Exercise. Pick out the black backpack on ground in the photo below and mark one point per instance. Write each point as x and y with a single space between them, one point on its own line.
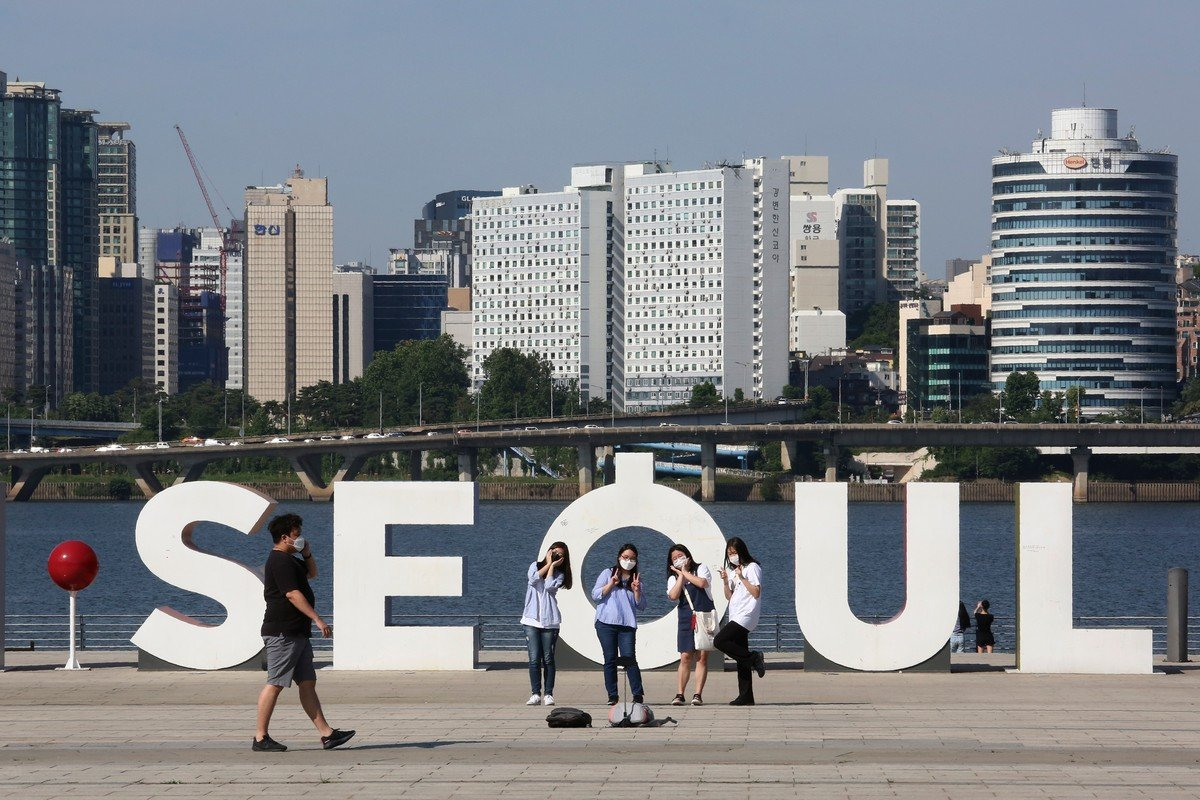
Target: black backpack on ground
567 717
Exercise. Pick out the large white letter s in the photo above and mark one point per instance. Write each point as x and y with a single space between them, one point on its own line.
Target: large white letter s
164 541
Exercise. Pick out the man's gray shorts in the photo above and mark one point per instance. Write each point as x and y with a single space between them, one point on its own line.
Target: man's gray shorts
289 658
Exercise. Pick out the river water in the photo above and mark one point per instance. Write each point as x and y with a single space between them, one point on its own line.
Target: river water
1122 554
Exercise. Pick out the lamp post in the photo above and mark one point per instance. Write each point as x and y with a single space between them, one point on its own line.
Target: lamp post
421 403
477 394
289 414
1142 404
960 398
242 431
381 411
160 419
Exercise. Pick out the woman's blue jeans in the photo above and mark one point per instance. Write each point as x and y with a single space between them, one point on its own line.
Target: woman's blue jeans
541 642
622 638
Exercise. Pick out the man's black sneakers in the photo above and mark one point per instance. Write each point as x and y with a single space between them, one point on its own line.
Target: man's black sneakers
268 745
336 739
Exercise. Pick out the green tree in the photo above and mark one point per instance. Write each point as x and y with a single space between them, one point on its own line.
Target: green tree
427 376
1021 392
518 384
1074 402
704 395
876 325
1050 407
326 405
982 408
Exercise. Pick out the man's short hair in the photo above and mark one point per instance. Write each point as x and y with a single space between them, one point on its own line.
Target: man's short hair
283 525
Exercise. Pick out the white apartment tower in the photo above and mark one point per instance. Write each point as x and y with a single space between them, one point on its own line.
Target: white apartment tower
541 271
704 290
289 283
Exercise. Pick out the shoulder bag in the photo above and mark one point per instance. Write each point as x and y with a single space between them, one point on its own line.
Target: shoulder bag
704 623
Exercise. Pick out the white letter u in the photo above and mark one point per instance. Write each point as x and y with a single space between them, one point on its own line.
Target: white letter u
924 623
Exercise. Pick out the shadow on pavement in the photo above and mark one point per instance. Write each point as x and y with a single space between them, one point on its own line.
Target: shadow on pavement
403 745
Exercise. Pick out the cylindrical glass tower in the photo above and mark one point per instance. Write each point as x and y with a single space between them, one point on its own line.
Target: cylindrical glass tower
1083 252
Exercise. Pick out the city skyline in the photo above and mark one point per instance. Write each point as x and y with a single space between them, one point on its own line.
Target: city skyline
497 99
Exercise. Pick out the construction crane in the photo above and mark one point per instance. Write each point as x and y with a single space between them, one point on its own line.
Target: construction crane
227 234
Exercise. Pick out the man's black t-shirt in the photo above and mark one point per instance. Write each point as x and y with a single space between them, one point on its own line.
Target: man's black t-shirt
282 574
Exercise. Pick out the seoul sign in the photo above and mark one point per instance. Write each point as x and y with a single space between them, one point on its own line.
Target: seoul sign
364 577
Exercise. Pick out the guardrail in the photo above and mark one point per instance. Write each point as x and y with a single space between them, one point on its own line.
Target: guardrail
778 633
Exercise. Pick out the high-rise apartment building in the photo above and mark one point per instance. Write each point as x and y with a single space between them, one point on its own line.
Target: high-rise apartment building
1083 253
541 276
48 184
44 354
235 314
289 283
879 241
353 323
704 285
817 324
116 192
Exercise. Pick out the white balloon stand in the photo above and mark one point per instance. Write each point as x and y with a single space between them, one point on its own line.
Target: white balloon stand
72 659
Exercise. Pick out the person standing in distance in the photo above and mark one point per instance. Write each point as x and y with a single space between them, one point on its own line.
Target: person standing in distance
742 577
287 626
985 640
541 618
618 595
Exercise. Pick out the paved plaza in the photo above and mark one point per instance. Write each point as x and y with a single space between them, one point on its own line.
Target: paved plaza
980 732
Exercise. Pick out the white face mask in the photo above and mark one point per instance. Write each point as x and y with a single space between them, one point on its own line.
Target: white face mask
733 559
299 543
680 562
628 564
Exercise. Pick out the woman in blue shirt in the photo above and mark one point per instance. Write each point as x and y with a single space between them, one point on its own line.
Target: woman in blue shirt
541 618
618 595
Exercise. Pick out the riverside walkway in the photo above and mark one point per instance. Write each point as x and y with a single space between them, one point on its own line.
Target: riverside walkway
114 731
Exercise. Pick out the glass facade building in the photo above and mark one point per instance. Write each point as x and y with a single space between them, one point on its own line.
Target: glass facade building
947 361
1083 251
407 307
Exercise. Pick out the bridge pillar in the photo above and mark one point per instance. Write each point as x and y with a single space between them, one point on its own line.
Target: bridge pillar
708 471
144 477
415 461
24 481
1079 460
308 470
831 460
192 470
468 464
587 468
610 469
788 452
352 462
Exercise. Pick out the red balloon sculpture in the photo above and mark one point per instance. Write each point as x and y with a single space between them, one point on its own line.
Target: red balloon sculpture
73 566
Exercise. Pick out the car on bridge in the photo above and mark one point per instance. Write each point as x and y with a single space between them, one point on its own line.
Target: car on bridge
108 448
279 440
375 436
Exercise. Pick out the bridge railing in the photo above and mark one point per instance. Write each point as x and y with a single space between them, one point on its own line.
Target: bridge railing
779 633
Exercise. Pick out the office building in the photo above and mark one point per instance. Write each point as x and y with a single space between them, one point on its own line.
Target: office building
48 184
126 312
148 253
445 228
45 337
406 308
540 280
353 322
947 360
1187 329
8 317
816 323
166 337
971 287
289 283
1083 263
116 192
956 267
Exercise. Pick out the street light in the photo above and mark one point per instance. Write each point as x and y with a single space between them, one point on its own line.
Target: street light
160 419
960 398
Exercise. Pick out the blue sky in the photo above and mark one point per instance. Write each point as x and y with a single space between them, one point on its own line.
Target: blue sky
394 102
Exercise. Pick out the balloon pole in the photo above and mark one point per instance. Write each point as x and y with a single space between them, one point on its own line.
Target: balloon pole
72 660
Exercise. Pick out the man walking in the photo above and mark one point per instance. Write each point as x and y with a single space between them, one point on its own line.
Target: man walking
286 628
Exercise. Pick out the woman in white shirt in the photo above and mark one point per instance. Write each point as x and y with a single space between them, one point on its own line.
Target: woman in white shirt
742 578
541 619
685 575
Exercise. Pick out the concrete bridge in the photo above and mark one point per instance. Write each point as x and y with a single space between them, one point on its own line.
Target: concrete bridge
594 439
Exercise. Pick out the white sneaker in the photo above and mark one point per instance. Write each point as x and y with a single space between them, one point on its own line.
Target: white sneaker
533 700
548 700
